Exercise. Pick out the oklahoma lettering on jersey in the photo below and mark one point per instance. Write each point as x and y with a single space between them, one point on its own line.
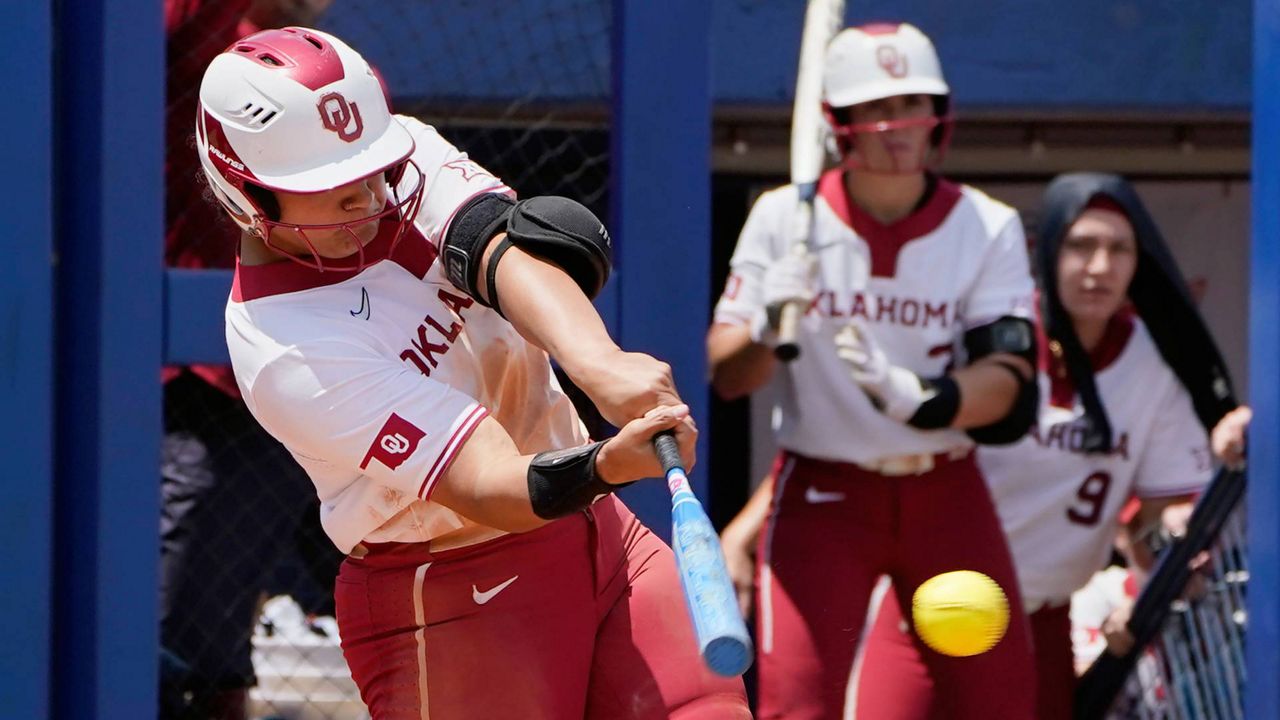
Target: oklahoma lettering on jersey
374 380
1058 504
907 312
958 262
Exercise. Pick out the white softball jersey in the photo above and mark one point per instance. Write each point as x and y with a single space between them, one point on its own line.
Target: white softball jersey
958 262
1058 505
374 380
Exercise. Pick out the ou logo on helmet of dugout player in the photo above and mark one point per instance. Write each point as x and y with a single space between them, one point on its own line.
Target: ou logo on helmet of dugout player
893 62
338 115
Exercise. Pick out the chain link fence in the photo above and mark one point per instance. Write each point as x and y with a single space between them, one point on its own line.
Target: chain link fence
246 572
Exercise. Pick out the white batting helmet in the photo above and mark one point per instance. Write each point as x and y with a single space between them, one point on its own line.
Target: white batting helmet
297 110
878 61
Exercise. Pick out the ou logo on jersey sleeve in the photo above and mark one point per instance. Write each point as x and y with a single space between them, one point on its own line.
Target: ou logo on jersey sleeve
395 442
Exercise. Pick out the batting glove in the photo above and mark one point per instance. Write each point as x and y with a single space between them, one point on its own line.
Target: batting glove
789 279
896 392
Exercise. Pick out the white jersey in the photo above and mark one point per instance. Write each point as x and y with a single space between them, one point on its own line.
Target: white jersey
1058 505
957 262
374 380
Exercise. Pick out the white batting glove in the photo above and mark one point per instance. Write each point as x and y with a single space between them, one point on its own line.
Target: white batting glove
897 392
788 279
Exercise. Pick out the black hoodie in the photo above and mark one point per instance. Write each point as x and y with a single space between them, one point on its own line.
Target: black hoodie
1159 295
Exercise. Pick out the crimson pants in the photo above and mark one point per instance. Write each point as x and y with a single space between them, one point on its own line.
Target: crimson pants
583 618
833 531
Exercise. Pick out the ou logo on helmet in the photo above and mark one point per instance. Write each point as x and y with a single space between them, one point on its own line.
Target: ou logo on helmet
340 116
892 61
395 443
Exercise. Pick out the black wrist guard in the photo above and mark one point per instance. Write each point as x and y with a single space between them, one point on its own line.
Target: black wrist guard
940 410
562 482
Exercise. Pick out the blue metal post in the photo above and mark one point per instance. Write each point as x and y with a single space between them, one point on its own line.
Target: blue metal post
26 359
110 137
1263 695
661 197
194 302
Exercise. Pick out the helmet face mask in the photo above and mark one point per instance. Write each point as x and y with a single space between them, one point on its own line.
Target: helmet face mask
851 139
298 111
877 62
400 207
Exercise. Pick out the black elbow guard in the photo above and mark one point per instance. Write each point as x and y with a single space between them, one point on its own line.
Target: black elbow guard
565 233
557 229
562 482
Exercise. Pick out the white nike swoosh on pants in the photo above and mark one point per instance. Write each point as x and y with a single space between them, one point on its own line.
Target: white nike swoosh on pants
814 496
483 597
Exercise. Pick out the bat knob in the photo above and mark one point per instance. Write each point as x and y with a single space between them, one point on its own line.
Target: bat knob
786 352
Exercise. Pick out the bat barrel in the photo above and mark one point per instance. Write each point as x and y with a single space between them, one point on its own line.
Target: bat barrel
721 634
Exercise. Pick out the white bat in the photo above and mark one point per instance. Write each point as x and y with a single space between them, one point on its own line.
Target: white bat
822 19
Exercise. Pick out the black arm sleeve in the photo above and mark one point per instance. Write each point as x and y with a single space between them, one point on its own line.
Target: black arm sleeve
474 225
1015 336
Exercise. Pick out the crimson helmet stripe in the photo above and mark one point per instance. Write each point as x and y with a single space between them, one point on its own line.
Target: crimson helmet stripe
304 56
880 28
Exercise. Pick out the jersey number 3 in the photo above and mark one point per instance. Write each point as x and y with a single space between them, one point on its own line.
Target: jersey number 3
1091 496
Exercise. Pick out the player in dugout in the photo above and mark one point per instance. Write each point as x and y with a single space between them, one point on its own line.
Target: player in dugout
1131 384
390 323
876 474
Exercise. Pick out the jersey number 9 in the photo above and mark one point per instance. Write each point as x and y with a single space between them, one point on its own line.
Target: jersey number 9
1091 495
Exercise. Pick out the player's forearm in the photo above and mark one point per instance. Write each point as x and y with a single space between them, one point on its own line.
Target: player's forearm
491 482
496 495
488 481
549 309
987 392
739 366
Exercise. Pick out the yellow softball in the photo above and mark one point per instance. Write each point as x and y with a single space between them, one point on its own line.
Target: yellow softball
960 613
